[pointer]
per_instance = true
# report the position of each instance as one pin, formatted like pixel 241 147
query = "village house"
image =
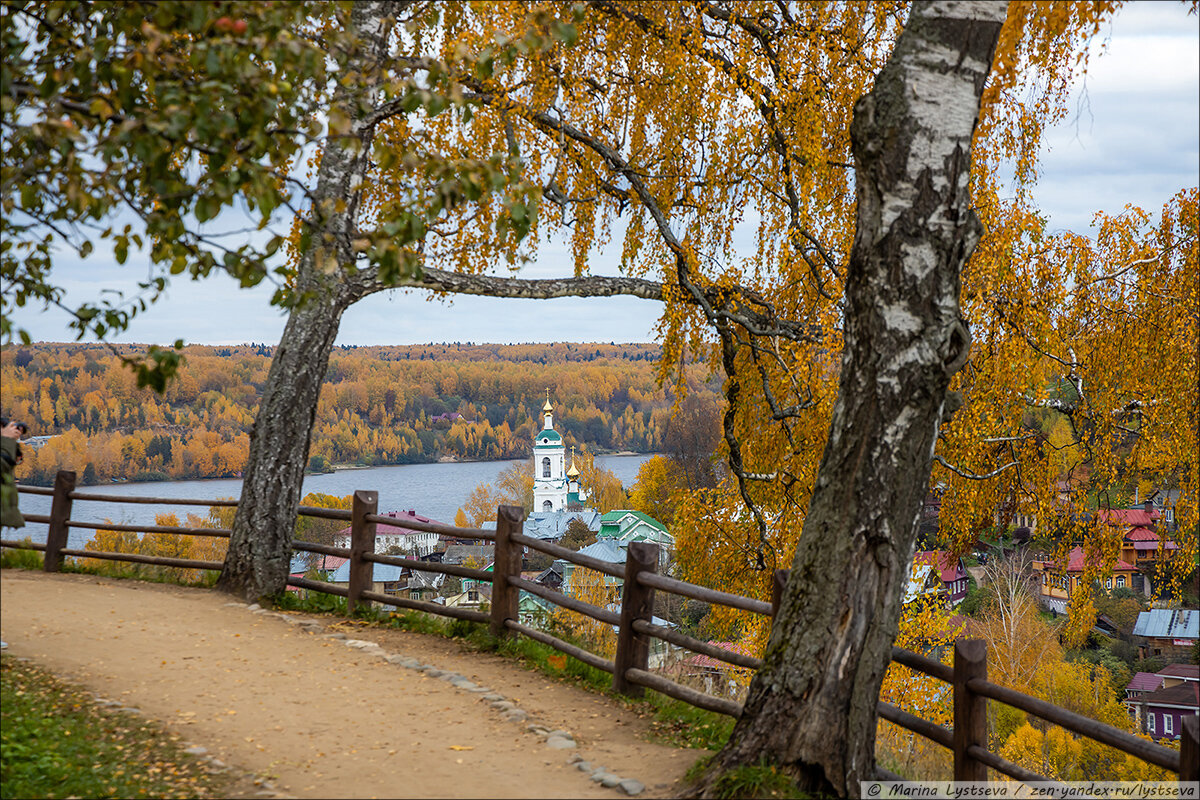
pixel 532 610
pixel 1060 583
pixel 1163 710
pixel 1158 701
pixel 1175 674
pixel 1141 684
pixel 623 527
pixel 1167 633
pixel 924 583
pixel 550 526
pixel 469 554
pixel 713 676
pixel 405 582
pixel 550 577
pixel 1141 544
pixel 605 550
pixel 397 538
pixel 950 571
pixel 473 595
pixel 322 564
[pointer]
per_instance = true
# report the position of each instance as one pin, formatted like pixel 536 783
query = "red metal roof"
pixel 699 660
pixel 1076 562
pixel 1141 534
pixel 951 568
pixel 1131 517
pixel 1144 682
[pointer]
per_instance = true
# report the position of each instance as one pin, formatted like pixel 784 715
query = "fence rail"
pixel 967 739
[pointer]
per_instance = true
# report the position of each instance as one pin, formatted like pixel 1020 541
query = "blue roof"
pixel 605 550
pixel 1168 623
pixel 381 573
pixel 552 525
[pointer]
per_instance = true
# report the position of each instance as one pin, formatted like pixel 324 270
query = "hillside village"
pixel 1146 617
pixel 1157 643
pixel 561 516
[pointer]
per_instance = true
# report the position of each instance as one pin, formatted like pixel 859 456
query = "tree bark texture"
pixel 256 564
pixel 811 708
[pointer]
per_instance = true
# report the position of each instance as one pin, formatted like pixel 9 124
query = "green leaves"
pixel 158 367
pixel 122 107
pixel 187 116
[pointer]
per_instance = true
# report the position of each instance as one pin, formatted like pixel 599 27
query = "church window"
pixel 547 506
pixel 545 467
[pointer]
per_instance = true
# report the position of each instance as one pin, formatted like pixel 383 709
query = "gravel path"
pixel 313 707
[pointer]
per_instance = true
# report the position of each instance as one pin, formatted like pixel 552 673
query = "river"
pixel 434 490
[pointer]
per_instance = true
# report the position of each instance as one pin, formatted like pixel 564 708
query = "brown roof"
pixel 1185 694
pixel 1181 671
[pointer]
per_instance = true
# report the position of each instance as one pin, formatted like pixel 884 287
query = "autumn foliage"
pixel 380 405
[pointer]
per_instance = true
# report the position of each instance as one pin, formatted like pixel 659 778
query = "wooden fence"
pixel 967 739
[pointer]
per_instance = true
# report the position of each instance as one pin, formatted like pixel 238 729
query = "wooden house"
pixel 1060 582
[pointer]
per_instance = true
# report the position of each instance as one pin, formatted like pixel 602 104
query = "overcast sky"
pixel 1133 137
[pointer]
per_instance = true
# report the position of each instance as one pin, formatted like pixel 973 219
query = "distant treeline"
pixel 379 405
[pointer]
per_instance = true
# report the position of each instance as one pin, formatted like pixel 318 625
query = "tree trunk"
pixel 811 709
pixel 256 564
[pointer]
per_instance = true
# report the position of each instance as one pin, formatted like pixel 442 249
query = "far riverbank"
pixel 434 490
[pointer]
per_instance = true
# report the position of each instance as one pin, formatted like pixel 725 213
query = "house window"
pixel 1108 583
pixel 547 506
pixel 1168 724
pixel 1120 581
pixel 473 595
pixel 546 467
pixel 1150 722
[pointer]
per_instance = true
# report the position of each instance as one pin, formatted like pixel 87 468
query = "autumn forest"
pixel 379 405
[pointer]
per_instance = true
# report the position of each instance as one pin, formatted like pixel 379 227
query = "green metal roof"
pixel 615 523
pixel 552 435
pixel 613 517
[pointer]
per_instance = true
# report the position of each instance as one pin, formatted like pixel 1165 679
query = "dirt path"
pixel 319 718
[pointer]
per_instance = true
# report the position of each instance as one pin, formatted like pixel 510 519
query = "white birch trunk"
pixel 811 709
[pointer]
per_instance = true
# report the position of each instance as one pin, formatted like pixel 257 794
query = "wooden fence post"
pixel 637 602
pixel 970 709
pixel 60 512
pixel 505 564
pixel 779 580
pixel 1189 749
pixel 362 540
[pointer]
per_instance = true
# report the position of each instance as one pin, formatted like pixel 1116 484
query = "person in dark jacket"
pixel 10 455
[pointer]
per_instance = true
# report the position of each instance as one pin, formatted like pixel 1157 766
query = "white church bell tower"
pixel 549 469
